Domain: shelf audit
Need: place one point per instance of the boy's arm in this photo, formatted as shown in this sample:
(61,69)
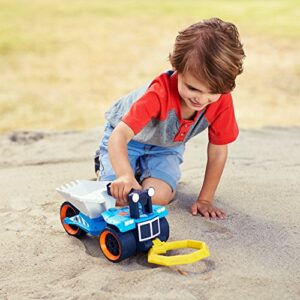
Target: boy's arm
(118,155)
(217,156)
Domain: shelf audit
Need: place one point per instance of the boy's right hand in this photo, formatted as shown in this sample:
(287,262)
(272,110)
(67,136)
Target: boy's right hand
(121,187)
(207,210)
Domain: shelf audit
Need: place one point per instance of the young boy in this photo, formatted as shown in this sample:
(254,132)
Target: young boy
(145,136)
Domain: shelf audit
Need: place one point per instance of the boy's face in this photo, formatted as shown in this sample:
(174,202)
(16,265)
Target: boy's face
(194,94)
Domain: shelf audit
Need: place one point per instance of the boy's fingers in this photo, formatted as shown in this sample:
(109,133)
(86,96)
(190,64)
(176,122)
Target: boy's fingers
(222,211)
(120,193)
(125,193)
(220,214)
(213,214)
(194,209)
(112,191)
(136,186)
(122,196)
(205,214)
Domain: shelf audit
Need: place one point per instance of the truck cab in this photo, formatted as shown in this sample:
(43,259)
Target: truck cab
(123,231)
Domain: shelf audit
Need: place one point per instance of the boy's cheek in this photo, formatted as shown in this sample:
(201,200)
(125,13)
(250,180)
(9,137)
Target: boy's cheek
(183,94)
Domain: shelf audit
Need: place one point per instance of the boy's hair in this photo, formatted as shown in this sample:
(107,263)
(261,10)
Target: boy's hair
(212,52)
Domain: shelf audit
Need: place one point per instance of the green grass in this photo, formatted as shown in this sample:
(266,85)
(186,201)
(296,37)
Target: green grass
(63,62)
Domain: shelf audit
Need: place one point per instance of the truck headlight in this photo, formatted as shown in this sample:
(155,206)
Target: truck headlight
(151,191)
(135,197)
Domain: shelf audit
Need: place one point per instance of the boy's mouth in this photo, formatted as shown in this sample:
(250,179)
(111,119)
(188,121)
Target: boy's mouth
(196,104)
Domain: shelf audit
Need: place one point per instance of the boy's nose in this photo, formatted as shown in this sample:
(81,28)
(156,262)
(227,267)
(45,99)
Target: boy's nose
(200,99)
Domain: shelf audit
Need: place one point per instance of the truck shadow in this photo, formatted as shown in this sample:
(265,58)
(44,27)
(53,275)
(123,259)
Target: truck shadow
(140,261)
(91,244)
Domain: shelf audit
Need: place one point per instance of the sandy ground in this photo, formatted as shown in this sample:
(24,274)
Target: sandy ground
(255,252)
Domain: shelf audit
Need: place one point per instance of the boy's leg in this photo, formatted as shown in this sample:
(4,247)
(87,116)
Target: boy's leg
(103,167)
(160,169)
(163,191)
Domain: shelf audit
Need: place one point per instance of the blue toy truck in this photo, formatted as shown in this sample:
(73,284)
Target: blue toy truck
(123,232)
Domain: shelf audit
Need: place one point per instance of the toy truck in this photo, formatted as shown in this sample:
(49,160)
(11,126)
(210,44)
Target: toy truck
(123,232)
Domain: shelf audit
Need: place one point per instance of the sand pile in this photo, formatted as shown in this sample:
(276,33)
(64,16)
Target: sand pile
(255,252)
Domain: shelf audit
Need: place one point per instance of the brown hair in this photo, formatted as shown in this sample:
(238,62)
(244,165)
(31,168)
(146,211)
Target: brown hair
(212,52)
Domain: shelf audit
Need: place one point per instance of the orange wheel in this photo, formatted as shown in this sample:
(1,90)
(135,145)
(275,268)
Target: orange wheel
(116,245)
(67,210)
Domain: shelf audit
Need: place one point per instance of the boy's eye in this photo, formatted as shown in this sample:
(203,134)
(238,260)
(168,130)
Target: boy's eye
(193,89)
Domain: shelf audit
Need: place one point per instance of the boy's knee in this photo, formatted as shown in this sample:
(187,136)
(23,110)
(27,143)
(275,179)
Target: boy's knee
(163,197)
(163,192)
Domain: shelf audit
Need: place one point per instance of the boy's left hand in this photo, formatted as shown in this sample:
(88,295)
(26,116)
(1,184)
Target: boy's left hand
(207,210)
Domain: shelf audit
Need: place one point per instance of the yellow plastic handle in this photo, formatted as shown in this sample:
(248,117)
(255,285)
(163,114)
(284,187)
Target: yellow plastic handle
(160,247)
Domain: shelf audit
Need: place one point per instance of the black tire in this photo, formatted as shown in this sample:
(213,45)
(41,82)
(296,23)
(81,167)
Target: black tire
(164,230)
(69,210)
(117,246)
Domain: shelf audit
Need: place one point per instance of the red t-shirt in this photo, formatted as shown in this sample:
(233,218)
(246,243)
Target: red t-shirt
(154,114)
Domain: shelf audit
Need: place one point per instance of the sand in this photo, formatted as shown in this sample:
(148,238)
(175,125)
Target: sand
(255,251)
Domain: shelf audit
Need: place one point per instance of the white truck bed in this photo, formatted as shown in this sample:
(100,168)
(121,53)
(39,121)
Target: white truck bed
(89,197)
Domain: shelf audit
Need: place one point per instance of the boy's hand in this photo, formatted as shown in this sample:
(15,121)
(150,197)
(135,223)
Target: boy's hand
(121,187)
(206,209)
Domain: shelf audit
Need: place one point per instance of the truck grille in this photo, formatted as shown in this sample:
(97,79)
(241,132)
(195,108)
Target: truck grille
(149,229)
